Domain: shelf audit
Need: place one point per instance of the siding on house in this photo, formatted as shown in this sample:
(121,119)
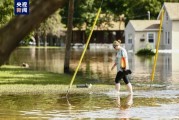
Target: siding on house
(166,43)
(175,35)
(129,36)
(140,29)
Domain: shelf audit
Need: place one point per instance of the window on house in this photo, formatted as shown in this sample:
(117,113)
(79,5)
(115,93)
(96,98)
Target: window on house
(151,37)
(167,37)
(130,38)
(166,16)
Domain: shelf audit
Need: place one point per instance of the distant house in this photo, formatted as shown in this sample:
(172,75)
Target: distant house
(106,32)
(144,33)
(170,26)
(141,34)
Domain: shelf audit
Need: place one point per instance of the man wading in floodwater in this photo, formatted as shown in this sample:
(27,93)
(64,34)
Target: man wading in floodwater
(122,67)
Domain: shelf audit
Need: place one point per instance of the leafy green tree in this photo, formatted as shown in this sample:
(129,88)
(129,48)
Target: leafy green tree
(6,11)
(51,26)
(134,9)
(19,27)
(85,11)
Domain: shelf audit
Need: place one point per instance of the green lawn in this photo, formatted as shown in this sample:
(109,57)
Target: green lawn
(20,75)
(19,80)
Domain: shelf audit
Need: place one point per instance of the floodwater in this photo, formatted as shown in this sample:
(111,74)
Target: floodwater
(153,104)
(161,101)
(97,64)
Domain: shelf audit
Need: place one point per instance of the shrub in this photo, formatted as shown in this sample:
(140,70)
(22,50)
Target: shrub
(145,52)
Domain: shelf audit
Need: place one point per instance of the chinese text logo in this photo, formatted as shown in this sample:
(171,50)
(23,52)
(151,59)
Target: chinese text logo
(21,7)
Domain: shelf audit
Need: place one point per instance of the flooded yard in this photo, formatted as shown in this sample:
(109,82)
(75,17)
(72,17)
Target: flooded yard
(152,104)
(160,101)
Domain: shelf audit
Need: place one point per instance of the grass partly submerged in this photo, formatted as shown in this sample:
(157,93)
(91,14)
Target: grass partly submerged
(20,80)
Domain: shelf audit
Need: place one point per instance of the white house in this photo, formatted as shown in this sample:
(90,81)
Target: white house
(144,33)
(141,34)
(170,26)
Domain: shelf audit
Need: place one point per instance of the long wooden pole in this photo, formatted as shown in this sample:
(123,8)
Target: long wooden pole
(158,43)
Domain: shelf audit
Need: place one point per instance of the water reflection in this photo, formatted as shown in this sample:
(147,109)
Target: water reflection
(49,59)
(97,63)
(91,106)
(124,103)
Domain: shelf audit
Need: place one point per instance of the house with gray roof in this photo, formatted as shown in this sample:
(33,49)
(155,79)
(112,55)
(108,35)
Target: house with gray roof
(141,34)
(144,33)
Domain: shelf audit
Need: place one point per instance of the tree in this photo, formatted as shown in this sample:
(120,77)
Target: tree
(69,36)
(85,11)
(134,9)
(6,10)
(22,25)
(49,26)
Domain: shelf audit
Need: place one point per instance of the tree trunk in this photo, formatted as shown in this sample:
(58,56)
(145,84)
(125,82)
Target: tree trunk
(45,39)
(51,42)
(22,25)
(37,38)
(69,36)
